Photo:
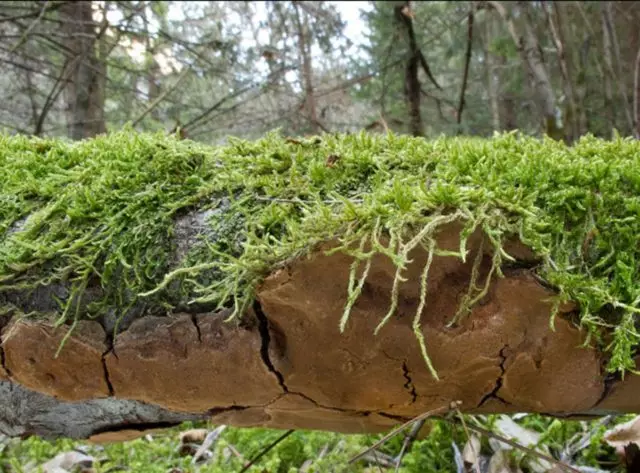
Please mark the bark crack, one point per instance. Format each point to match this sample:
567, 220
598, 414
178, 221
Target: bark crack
263, 328
140, 426
3, 360
494, 392
409, 384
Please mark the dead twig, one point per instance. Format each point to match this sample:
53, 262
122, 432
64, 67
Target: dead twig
465, 74
408, 442
527, 450
162, 96
266, 450
209, 440
397, 430
466, 431
33, 24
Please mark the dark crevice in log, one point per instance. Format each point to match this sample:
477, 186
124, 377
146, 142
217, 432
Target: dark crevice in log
409, 384
220, 410
105, 369
4, 321
609, 381
494, 392
263, 328
194, 319
394, 417
142, 426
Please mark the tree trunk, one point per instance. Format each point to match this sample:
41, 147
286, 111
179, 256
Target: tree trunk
554, 20
307, 70
84, 92
411, 79
529, 48
492, 77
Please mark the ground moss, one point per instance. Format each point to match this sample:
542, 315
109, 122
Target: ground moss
102, 212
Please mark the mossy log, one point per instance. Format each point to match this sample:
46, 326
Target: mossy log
343, 283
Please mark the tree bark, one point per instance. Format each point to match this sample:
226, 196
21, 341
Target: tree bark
84, 92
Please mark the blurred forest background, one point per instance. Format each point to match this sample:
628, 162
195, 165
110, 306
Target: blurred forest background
241, 68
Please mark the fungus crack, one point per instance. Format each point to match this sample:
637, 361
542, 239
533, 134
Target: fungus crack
409, 384
608, 382
194, 320
494, 392
105, 370
263, 328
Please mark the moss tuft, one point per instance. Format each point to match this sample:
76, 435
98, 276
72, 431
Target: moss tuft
101, 213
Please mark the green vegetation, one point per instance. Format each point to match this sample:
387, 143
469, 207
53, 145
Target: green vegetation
432, 453
101, 212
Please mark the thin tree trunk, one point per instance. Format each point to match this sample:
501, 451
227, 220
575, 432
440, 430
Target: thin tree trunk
412, 81
152, 66
636, 96
610, 31
529, 49
307, 70
610, 110
465, 74
491, 75
572, 119
84, 92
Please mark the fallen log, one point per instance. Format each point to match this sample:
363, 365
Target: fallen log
146, 281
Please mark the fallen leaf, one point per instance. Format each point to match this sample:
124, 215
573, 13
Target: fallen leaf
208, 442
193, 436
501, 463
624, 434
332, 159
471, 451
67, 461
509, 428
526, 438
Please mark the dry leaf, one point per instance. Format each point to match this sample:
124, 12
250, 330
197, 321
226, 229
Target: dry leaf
193, 436
506, 427
67, 461
501, 463
624, 434
471, 450
332, 159
203, 453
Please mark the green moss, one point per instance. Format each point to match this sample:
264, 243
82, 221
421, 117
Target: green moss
102, 212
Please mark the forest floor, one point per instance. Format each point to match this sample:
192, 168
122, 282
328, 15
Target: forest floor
539, 445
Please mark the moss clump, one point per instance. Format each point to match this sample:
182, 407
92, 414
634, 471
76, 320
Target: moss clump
101, 213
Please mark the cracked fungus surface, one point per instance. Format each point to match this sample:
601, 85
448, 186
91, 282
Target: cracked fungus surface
129, 224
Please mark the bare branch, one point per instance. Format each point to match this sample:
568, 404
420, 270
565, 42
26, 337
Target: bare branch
161, 97
33, 24
465, 75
